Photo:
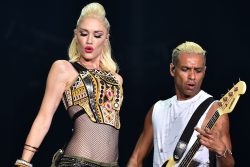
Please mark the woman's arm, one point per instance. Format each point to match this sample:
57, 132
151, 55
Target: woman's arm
56, 83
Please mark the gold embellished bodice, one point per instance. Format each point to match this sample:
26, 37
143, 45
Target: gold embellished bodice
99, 94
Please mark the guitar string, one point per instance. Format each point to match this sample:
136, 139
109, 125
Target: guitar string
193, 150
196, 145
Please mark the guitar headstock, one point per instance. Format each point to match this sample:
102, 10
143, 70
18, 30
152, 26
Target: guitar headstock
229, 100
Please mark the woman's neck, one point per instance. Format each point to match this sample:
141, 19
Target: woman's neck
90, 65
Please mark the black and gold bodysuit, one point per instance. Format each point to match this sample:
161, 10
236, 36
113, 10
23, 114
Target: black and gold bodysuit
93, 102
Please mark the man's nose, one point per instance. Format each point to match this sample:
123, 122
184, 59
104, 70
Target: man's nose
191, 74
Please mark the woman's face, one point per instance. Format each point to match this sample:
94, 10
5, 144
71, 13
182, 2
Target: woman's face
91, 36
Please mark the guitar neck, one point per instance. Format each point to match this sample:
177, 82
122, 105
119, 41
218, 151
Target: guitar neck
195, 147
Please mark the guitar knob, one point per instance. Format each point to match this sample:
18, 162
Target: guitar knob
235, 89
231, 93
220, 104
224, 98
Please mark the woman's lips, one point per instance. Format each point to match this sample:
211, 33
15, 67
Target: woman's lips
88, 49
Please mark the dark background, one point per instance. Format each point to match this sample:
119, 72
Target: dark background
143, 33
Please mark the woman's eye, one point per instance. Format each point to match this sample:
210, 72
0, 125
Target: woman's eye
83, 34
98, 35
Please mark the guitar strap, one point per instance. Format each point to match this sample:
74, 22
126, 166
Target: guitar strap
187, 133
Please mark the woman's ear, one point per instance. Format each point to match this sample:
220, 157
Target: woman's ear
75, 35
75, 32
107, 37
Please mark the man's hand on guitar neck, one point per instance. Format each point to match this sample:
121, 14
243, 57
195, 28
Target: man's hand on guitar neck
218, 141
211, 139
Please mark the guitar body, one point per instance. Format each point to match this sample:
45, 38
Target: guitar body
169, 163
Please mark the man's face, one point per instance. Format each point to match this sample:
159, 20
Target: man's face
188, 75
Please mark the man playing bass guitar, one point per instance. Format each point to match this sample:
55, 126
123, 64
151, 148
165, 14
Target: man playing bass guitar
167, 119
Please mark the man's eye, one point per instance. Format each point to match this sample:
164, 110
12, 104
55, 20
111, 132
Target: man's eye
184, 69
198, 70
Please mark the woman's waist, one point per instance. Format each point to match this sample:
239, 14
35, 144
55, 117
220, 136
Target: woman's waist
96, 149
87, 161
94, 134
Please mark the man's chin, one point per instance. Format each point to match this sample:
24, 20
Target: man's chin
191, 93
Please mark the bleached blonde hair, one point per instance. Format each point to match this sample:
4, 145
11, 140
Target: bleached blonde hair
188, 47
106, 61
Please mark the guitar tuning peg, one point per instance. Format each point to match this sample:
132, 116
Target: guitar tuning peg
220, 104
235, 89
239, 79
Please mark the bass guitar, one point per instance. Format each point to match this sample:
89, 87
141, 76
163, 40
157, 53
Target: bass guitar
226, 105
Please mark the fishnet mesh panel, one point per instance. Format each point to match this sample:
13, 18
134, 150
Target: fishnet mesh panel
98, 142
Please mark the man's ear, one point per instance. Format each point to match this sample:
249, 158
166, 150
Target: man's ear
205, 70
172, 69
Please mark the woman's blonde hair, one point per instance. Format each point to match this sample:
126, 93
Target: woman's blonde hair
106, 61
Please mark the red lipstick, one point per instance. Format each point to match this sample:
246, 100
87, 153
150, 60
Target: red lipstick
88, 49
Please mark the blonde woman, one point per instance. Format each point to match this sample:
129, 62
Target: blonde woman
91, 90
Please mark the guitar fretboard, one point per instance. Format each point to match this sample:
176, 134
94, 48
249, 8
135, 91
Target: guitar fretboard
187, 159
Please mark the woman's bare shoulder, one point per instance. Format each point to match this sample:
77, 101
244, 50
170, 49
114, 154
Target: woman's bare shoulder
63, 69
61, 65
